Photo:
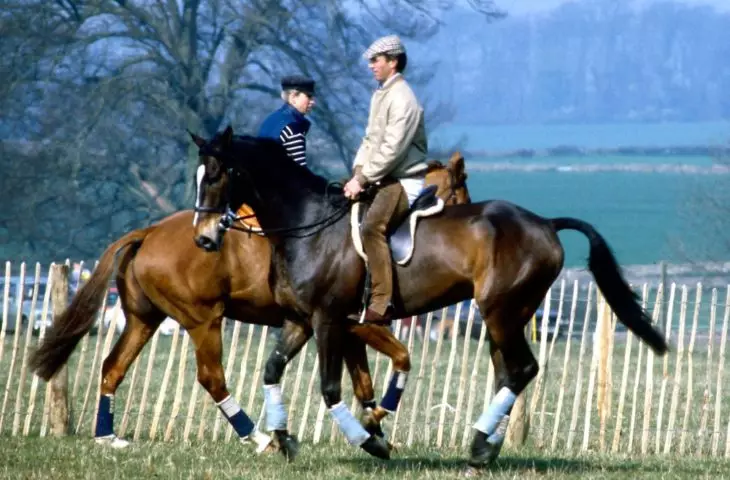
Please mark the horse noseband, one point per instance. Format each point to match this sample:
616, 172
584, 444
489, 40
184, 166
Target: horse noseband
226, 220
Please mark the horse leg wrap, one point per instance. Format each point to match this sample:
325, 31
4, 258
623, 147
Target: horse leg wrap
493, 422
105, 416
240, 422
276, 414
497, 438
354, 432
395, 390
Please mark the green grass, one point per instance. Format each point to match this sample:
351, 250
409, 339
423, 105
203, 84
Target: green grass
205, 420
78, 458
204, 453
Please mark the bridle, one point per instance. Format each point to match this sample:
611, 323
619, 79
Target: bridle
229, 218
454, 184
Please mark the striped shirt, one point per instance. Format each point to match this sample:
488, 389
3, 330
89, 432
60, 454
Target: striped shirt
290, 127
295, 142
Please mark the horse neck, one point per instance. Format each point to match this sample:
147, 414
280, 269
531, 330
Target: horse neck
288, 198
291, 207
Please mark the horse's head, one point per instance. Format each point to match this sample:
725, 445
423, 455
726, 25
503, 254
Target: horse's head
450, 180
213, 190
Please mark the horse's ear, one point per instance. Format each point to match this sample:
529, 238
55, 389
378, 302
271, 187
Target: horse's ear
227, 137
197, 140
456, 163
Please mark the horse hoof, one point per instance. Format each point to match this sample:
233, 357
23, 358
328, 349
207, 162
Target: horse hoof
112, 441
391, 447
262, 443
483, 453
288, 445
372, 426
371, 421
471, 472
377, 447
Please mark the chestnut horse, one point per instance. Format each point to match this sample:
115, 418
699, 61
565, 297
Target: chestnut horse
502, 255
162, 273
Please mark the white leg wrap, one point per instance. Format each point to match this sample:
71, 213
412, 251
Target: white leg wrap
497, 410
229, 406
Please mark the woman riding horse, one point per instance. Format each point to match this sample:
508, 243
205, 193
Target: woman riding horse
503, 256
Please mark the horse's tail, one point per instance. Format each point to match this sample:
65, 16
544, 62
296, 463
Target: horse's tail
622, 300
78, 318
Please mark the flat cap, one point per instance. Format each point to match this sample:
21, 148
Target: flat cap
299, 83
389, 45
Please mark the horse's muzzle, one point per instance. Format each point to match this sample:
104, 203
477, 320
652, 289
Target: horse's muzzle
207, 243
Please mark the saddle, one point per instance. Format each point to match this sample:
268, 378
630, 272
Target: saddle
402, 238
247, 219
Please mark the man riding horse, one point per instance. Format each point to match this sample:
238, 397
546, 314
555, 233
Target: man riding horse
392, 160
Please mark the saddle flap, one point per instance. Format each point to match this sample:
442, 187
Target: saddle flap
402, 239
426, 199
247, 218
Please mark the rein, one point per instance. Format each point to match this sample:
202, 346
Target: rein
229, 217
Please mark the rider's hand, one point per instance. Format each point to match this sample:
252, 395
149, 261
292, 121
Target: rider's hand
352, 189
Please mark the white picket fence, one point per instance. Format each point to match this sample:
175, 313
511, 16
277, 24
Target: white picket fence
598, 388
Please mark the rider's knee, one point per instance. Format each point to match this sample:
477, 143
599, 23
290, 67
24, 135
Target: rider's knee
373, 230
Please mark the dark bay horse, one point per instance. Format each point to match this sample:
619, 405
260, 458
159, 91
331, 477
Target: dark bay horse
502, 255
162, 273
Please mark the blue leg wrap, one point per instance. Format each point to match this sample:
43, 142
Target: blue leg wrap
240, 422
354, 432
276, 414
395, 390
495, 419
105, 416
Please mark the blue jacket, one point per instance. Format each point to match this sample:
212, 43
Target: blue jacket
290, 127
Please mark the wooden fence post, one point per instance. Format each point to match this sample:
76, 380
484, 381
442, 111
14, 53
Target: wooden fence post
519, 424
59, 405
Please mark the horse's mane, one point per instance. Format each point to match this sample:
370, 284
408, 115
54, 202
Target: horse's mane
266, 154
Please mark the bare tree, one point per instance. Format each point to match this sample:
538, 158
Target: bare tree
112, 86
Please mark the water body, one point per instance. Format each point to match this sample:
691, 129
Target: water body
649, 208
513, 137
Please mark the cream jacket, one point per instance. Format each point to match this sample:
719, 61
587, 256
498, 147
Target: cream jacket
395, 142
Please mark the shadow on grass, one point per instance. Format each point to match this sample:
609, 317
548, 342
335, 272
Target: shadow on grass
503, 464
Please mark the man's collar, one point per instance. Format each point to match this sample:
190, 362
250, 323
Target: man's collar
294, 111
390, 81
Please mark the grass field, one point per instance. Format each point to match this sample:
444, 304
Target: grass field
78, 458
447, 389
443, 398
